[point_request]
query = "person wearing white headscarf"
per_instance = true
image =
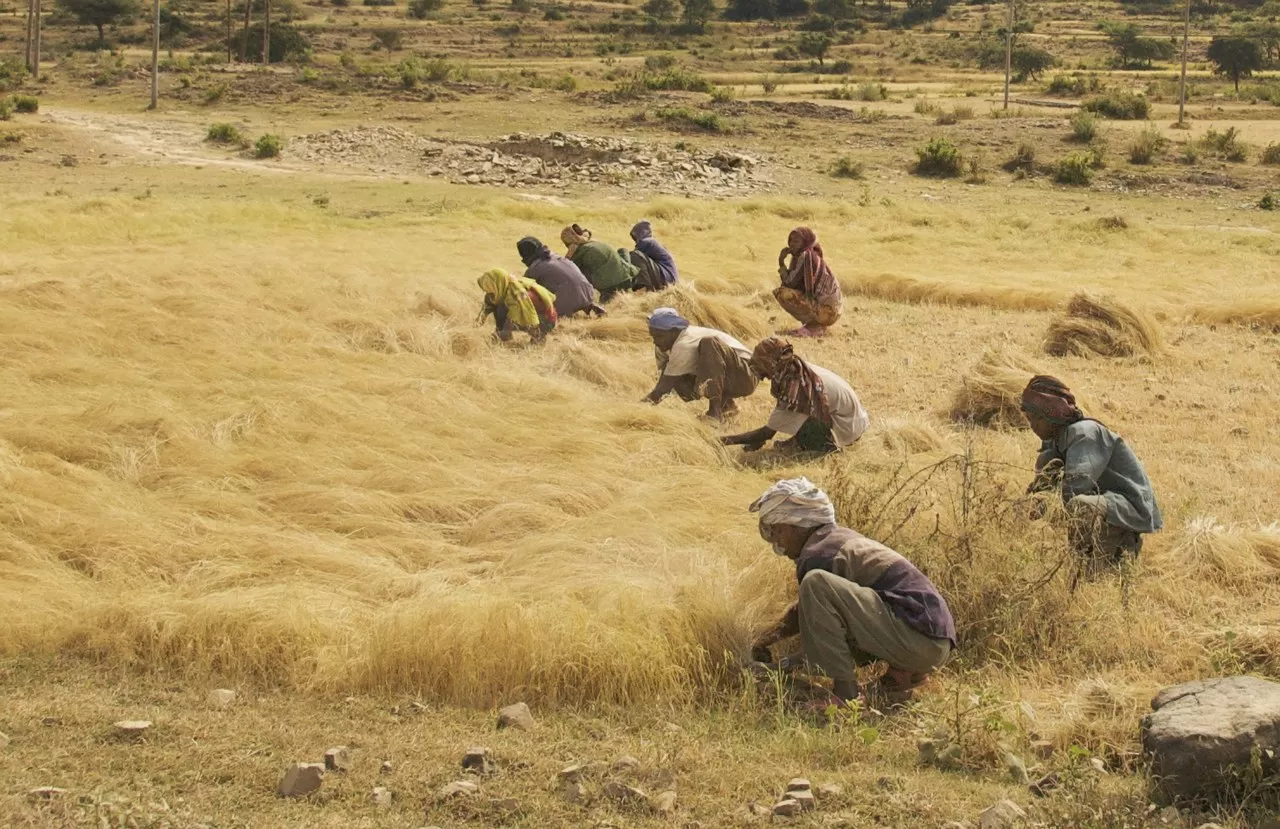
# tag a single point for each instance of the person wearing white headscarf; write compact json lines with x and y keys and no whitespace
{"x":859,"y":601}
{"x":696,"y":363}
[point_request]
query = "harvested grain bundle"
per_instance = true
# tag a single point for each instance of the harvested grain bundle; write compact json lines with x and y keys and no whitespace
{"x":1255,"y":314}
{"x":991,"y":394}
{"x":732,"y":315}
{"x":905,"y":289}
{"x":1211,"y":550}
{"x":615,"y":328}
{"x":1104,"y":326}
{"x":910,"y":437}
{"x":590,"y":364}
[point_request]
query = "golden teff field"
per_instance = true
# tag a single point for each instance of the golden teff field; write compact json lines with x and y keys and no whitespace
{"x":253,"y":438}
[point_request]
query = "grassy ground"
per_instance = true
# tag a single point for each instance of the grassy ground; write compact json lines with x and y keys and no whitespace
{"x":252,"y":437}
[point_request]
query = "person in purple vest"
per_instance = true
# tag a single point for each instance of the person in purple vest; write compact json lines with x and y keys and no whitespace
{"x":559,"y":276}
{"x":859,"y":602}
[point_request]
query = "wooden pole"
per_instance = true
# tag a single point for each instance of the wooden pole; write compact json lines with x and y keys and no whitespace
{"x":228,"y":31}
{"x":266,"y":32}
{"x":29,"y":39}
{"x":1008,"y":53}
{"x":1182,"y":83}
{"x":35,"y":59}
{"x":155,"y":54}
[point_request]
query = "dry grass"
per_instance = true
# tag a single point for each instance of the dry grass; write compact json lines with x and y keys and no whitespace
{"x":908,"y":289}
{"x":1102,"y":326}
{"x":991,"y":393}
{"x":1262,"y":314}
{"x":1210,"y":550}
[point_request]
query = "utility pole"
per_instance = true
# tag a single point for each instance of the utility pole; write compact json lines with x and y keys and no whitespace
{"x":1182,"y":84}
{"x":1008,"y":53}
{"x":155,"y":54}
{"x":29,"y":41}
{"x":228,"y":31}
{"x":35,"y":59}
{"x":266,"y":32}
{"x":244,"y":42}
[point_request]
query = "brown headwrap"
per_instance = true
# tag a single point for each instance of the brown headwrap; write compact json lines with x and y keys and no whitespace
{"x":1049,"y":398}
{"x":792,"y":383}
{"x":808,"y":271}
{"x":573,"y":237}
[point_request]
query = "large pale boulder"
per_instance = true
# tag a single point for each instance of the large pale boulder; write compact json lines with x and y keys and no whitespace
{"x":1199,"y":731}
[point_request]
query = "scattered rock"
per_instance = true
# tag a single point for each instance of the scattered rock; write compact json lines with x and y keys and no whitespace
{"x":829,"y":791}
{"x":458,"y":788}
{"x":1198,"y":729}
{"x":386,"y":767}
{"x":1042,"y":749}
{"x":46,"y":793}
{"x":663,"y":803}
{"x":625,"y":764}
{"x":222,"y":697}
{"x":478,"y":761}
{"x":787,"y":807}
{"x":301,"y":780}
{"x":51,"y":722}
{"x":505,"y":805}
{"x":132,"y":729}
{"x":1017,"y":768}
{"x":1170,"y":816}
{"x":337,"y":759}
{"x":516,"y":716}
{"x":797,"y":784}
{"x":758,"y":810}
{"x":381,"y":797}
{"x":1098,"y":764}
{"x":618,"y":791}
{"x":4,"y":740}
{"x":574,"y":773}
{"x":805,"y":798}
{"x":1004,"y":814}
{"x":70,"y":161}
{"x":1045,"y":785}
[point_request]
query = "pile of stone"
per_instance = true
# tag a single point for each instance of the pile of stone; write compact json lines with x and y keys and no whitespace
{"x":529,"y":161}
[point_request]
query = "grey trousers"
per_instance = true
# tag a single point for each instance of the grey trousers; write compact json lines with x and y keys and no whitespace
{"x":843,"y":625}
{"x":1091,"y":536}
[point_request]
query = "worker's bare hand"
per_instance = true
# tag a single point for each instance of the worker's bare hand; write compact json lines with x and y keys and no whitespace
{"x":753,"y":447}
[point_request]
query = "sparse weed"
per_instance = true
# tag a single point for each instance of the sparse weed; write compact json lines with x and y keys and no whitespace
{"x":924,"y":106}
{"x":1270,"y":155}
{"x":1267,"y":202}
{"x":6,"y":109}
{"x":722,"y":95}
{"x":1225,"y":144}
{"x":1023,"y":159}
{"x":1147,"y":145}
{"x":1084,"y":126}
{"x":846,"y":167}
{"x":1075,"y":169}
{"x":27,"y":104}
{"x":1121,"y":106}
{"x":685,"y":117}
{"x":940,"y":158}
{"x":224,"y":134}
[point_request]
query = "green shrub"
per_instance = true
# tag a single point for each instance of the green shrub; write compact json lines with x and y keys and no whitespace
{"x":422,"y":9}
{"x":553,"y":13}
{"x":1023,"y":159}
{"x":940,"y":158}
{"x":224,"y":134}
{"x":10,"y":137}
{"x":841,"y":93}
{"x":1226,"y":144}
{"x":1074,"y":169}
{"x":1073,"y":86}
{"x":873,"y":92}
{"x":1267,"y":202}
{"x":215,"y":94}
{"x":1122,"y":106}
{"x":722,"y":95}
{"x":769,"y":85}
{"x":1147,"y":145}
{"x":566,"y":83}
{"x":268,"y":146}
{"x":308,"y":75}
{"x":6,"y":109}
{"x":658,"y":63}
{"x":1270,"y":155}
{"x":846,"y":167}
{"x":27,"y":104}
{"x":677,"y":80}
{"x":924,"y":106}
{"x":685,"y":117}
{"x":1084,"y":126}
{"x":1190,"y":155}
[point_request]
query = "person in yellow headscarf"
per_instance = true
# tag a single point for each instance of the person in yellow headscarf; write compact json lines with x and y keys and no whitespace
{"x":517,"y":304}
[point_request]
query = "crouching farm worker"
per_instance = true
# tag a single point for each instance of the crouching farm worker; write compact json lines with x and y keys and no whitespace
{"x":560,"y":276}
{"x":517,"y":304}
{"x":604,"y":267}
{"x":815,"y":406}
{"x":1108,"y":497}
{"x":699,"y":363}
{"x":656,"y":265}
{"x":809,"y":291}
{"x":859,"y":601}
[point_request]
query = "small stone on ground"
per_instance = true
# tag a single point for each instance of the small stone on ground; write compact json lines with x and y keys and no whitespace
{"x":621,"y":792}
{"x":458,"y":788}
{"x":222,"y":697}
{"x":478,"y":761}
{"x":132,"y":728}
{"x":381,"y":797}
{"x":663,"y":803}
{"x":301,"y":780}
{"x":337,"y":759}
{"x":516,"y":716}
{"x":787,"y":807}
{"x":1004,"y":814}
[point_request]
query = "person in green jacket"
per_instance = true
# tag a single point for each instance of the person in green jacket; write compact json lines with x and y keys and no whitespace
{"x":606,"y":268}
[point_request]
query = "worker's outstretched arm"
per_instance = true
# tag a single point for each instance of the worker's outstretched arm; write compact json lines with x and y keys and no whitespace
{"x":751,"y":441}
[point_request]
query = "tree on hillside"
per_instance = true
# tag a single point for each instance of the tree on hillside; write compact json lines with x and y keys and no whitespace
{"x":661,"y":9}
{"x":1132,"y":49}
{"x":1268,"y":37}
{"x":389,"y":39}
{"x":1235,"y":57}
{"x":814,"y":45}
{"x":1030,"y":62}
{"x":751,"y":10}
{"x":696,"y":13}
{"x":100,"y":13}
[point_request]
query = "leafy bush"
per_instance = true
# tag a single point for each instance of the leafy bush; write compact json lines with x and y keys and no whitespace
{"x":769,"y":85}
{"x":841,"y":93}
{"x":553,"y":13}
{"x":1023,"y":159}
{"x":678,"y":80}
{"x":977,"y":170}
{"x":566,"y":83}
{"x":268,"y":146}
{"x":421,"y":9}
{"x":924,"y":106}
{"x":1074,"y":169}
{"x":955,"y":116}
{"x":1122,"y":106}
{"x":1073,"y":86}
{"x":685,"y":117}
{"x":1147,"y":145}
{"x":1267,"y":202}
{"x":1270,"y":155}
{"x":224,"y":134}
{"x":27,"y":104}
{"x":1226,"y":144}
{"x":658,"y":63}
{"x":940,"y":158}
{"x":10,"y":137}
{"x":287,"y":43}
{"x":1030,"y":62}
{"x":6,"y":109}
{"x":1190,"y":155}
{"x":1084,"y":126}
{"x":873,"y":92}
{"x":722,"y":95}
{"x":846,"y":167}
